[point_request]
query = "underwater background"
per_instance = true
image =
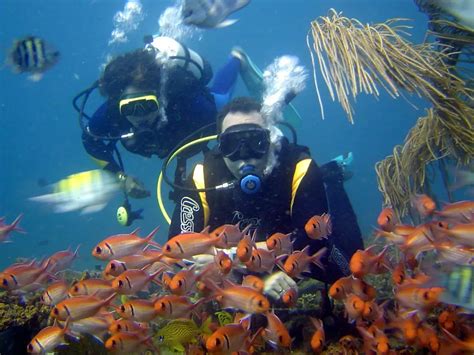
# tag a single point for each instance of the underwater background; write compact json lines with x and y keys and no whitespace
{"x":40,"y":138}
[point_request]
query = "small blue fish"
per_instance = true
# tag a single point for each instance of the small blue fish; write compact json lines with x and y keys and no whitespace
{"x":210,"y":13}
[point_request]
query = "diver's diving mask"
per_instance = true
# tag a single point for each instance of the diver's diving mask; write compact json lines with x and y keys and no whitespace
{"x":139,"y":104}
{"x":244,"y":141}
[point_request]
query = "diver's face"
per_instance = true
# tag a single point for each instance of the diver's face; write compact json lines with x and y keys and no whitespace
{"x":260,"y":163}
{"x":140,"y":121}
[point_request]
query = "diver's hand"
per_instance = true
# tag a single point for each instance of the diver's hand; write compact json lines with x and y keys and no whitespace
{"x":277,"y":284}
{"x":132,"y":186}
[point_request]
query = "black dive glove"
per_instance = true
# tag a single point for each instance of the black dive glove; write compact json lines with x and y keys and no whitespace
{"x":132,"y":186}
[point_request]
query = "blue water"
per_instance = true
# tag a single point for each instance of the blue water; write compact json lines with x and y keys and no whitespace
{"x":40,"y":136}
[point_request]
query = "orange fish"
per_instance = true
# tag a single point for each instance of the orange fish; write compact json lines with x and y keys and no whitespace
{"x":467,"y":345}
{"x":418,"y":298}
{"x":138,"y":261}
{"x":261,"y":260}
{"x":138,"y":310}
{"x":460,"y":233}
{"x":229,"y":339}
{"x":6,"y":229}
{"x":318,"y":227}
{"x":132,"y":281}
{"x":299,"y":261}
{"x":239,"y":297}
{"x":289,"y":297}
{"x":449,"y":319}
{"x":47,"y":339}
{"x":96,"y":326}
{"x":423,"y":204}
{"x":340,"y":289}
{"x":428,"y":338}
{"x":374,"y":340}
{"x":129,"y":343}
{"x":319,"y":336}
{"x":280,"y":243}
{"x":454,"y":253}
{"x":407,"y":326}
{"x":223,"y":262}
{"x":457,"y":212}
{"x":364,"y":262}
{"x":166,"y":278}
{"x":276,"y":333}
{"x":229,"y":235}
{"x":97,"y":287}
{"x":245,"y":247}
{"x":62,"y":260}
{"x":120,"y":245}
{"x":21,"y":275}
{"x":387,"y":219}
{"x":398,"y":274}
{"x":419,"y":240}
{"x":79,"y":307}
{"x":254,"y":282}
{"x":55,"y":293}
{"x":127,"y":326}
{"x":184,"y":282}
{"x":186,"y":245}
{"x":354,"y":306}
{"x":172,"y":306}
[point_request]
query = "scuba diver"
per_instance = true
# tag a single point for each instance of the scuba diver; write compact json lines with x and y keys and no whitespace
{"x":255,"y":176}
{"x":155,"y":97}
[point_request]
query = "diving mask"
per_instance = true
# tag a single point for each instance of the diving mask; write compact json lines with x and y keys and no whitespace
{"x":139,"y":104}
{"x":244,"y":141}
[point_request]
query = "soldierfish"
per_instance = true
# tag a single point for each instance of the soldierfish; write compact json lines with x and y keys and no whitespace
{"x":120,"y":245}
{"x":319,"y":336}
{"x":132,"y":281}
{"x":229,"y":235}
{"x":276,"y":333}
{"x":138,"y":310}
{"x":230,"y":338}
{"x":387,"y":219}
{"x":79,"y":307}
{"x":210,"y":13}
{"x":127,"y":326}
{"x":246,"y":246}
{"x":137,"y":261}
{"x":88,"y":287}
{"x":318,"y":227}
{"x":299,"y":261}
{"x":6,"y":229}
{"x":172,"y":306}
{"x":365,"y":262}
{"x":423,"y":204}
{"x":280,"y":243}
{"x":55,"y":293}
{"x":239,"y":297}
{"x":187,"y":245}
{"x":96,"y":326}
{"x":129,"y":342}
{"x":457,"y":212}
{"x":21,"y":275}
{"x":62,"y":260}
{"x":47,"y":339}
{"x":261,"y":260}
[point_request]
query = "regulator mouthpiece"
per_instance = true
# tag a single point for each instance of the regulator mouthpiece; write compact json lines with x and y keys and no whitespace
{"x":250,"y":183}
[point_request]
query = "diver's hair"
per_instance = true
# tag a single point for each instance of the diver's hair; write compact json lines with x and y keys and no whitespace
{"x":242,"y":104}
{"x":138,"y":68}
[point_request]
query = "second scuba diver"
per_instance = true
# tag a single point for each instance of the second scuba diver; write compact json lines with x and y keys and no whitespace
{"x":156,"y":96}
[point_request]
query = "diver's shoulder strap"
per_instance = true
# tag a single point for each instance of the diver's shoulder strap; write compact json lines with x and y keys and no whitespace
{"x":199,"y":183}
{"x":303,"y":159}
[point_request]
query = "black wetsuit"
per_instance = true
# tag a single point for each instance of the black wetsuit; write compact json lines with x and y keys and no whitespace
{"x":190,"y":106}
{"x":270,"y":211}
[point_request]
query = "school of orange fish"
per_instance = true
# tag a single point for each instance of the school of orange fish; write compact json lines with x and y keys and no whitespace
{"x":91,"y":306}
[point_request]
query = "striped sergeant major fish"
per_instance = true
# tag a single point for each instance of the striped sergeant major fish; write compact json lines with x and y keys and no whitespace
{"x":32,"y":55}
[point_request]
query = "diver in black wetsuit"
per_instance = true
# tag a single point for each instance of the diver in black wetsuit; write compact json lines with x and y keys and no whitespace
{"x":155,"y":97}
{"x":277,"y":187}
